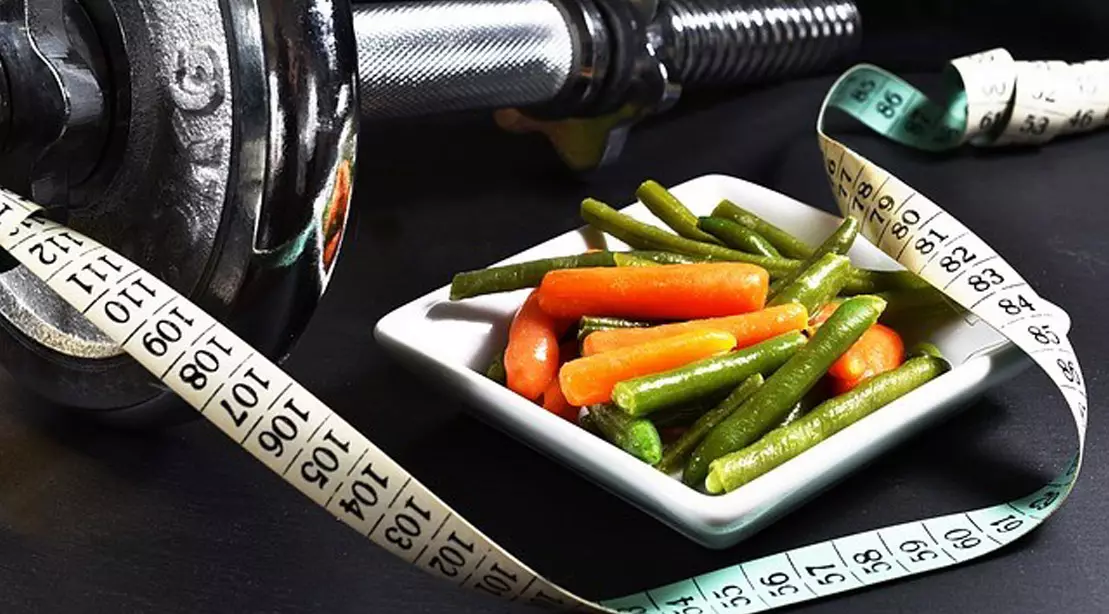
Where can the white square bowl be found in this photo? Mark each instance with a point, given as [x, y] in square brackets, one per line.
[452, 342]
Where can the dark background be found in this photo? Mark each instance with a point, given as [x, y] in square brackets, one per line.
[98, 520]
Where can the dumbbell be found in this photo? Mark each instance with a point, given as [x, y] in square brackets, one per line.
[213, 142]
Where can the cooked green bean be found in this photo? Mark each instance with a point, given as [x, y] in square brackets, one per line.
[672, 212]
[864, 281]
[602, 323]
[624, 259]
[653, 243]
[521, 275]
[665, 257]
[592, 324]
[789, 245]
[645, 236]
[917, 300]
[818, 284]
[766, 408]
[795, 412]
[731, 471]
[642, 396]
[839, 242]
[738, 236]
[495, 371]
[636, 436]
[675, 454]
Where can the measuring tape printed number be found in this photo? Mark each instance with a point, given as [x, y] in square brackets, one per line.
[315, 450]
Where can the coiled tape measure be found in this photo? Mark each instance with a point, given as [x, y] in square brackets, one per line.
[296, 435]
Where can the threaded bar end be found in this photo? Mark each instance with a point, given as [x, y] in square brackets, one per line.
[732, 42]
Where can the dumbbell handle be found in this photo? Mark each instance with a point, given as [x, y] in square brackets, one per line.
[423, 57]
[420, 58]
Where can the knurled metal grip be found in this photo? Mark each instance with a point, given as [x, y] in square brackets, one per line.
[422, 57]
[418, 58]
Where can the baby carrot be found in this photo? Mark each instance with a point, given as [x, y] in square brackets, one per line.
[531, 357]
[823, 314]
[748, 329]
[553, 400]
[673, 291]
[880, 349]
[589, 380]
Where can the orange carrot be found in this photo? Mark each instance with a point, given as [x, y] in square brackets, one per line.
[878, 350]
[553, 399]
[669, 291]
[822, 316]
[589, 380]
[531, 357]
[555, 402]
[748, 329]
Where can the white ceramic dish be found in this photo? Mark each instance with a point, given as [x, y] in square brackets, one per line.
[453, 342]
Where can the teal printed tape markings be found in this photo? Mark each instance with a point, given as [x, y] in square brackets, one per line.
[286, 428]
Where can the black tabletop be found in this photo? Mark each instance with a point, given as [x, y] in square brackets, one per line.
[94, 519]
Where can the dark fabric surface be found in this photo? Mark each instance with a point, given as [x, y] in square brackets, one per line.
[97, 520]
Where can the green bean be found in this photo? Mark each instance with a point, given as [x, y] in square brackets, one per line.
[672, 212]
[864, 281]
[674, 455]
[642, 396]
[731, 471]
[585, 421]
[914, 301]
[653, 243]
[766, 408]
[817, 285]
[521, 275]
[789, 245]
[636, 436]
[592, 324]
[795, 412]
[665, 257]
[839, 242]
[623, 259]
[645, 236]
[738, 236]
[603, 323]
[495, 371]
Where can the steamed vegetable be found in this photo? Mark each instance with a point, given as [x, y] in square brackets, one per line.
[531, 358]
[644, 236]
[522, 275]
[738, 236]
[839, 242]
[738, 468]
[789, 245]
[770, 404]
[673, 291]
[589, 380]
[695, 381]
[748, 329]
[636, 436]
[816, 285]
[672, 212]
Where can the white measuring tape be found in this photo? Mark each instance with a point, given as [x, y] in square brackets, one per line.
[296, 435]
